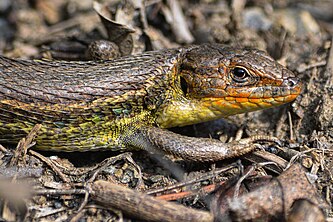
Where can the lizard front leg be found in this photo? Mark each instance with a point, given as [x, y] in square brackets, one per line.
[157, 140]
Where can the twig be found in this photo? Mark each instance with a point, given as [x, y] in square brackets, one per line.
[263, 156]
[247, 174]
[204, 190]
[3, 149]
[290, 127]
[178, 22]
[329, 67]
[85, 201]
[143, 206]
[50, 163]
[280, 123]
[195, 180]
[310, 66]
[24, 145]
[59, 192]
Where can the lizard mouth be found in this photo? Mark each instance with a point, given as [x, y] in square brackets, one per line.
[240, 100]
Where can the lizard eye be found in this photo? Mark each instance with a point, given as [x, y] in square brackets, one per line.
[183, 85]
[239, 74]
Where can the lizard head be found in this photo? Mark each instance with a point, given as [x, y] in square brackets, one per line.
[215, 81]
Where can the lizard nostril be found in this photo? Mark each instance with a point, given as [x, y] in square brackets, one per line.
[291, 82]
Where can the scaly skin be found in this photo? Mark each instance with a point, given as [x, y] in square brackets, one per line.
[124, 103]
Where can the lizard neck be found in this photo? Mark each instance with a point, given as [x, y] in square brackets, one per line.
[181, 113]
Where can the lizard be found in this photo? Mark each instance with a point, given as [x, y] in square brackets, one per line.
[129, 103]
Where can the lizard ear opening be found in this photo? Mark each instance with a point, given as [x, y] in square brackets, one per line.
[183, 85]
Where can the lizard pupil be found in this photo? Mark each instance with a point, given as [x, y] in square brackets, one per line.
[183, 85]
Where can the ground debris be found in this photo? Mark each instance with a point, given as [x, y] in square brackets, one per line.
[63, 187]
[275, 199]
